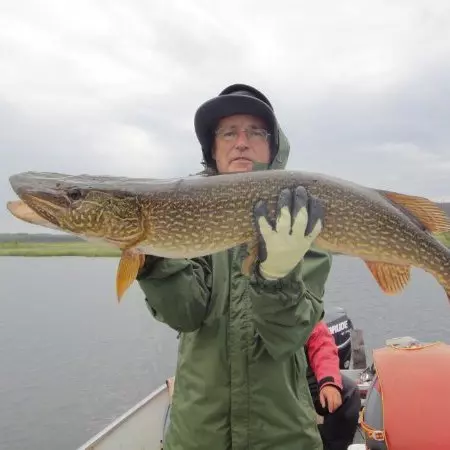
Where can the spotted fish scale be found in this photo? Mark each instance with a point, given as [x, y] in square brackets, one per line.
[195, 216]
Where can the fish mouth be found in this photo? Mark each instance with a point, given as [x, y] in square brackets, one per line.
[46, 208]
[22, 211]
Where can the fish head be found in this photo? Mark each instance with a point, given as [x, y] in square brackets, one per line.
[81, 206]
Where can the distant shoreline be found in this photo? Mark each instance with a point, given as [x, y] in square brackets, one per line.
[74, 248]
[445, 238]
[82, 248]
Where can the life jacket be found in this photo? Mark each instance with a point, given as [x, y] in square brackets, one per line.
[408, 403]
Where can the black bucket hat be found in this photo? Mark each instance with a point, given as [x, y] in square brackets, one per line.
[235, 99]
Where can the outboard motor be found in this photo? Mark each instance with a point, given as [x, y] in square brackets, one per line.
[340, 327]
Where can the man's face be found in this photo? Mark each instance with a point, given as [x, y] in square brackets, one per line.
[240, 141]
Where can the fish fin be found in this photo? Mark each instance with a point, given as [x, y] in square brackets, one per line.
[130, 263]
[250, 259]
[427, 212]
[391, 278]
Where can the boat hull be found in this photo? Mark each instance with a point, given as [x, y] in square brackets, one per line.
[142, 426]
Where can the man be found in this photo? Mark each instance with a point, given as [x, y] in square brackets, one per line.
[241, 372]
[335, 397]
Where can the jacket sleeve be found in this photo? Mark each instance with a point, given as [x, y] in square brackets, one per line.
[323, 356]
[177, 291]
[285, 311]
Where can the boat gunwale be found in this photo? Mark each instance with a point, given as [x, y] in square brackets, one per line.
[120, 420]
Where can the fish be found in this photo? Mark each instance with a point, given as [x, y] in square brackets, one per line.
[199, 215]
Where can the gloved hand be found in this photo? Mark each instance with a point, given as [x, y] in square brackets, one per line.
[283, 244]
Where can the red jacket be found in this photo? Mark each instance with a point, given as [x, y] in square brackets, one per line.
[323, 356]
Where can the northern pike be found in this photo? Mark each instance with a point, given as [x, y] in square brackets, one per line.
[200, 215]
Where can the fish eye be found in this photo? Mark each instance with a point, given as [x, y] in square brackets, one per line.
[74, 194]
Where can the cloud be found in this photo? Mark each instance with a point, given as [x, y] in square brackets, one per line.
[360, 88]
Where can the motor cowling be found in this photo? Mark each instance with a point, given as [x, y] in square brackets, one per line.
[340, 327]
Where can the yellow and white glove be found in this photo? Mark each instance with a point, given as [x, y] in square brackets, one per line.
[283, 244]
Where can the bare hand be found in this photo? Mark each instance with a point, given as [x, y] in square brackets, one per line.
[330, 395]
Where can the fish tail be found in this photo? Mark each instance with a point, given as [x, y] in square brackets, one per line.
[444, 281]
[441, 270]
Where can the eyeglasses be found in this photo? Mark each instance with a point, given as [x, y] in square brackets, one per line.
[253, 134]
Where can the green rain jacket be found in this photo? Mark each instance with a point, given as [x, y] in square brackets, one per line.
[240, 381]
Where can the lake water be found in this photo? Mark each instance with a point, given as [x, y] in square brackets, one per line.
[72, 359]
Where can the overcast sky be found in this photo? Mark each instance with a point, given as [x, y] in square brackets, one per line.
[361, 88]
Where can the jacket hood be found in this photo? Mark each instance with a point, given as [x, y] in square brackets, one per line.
[282, 151]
